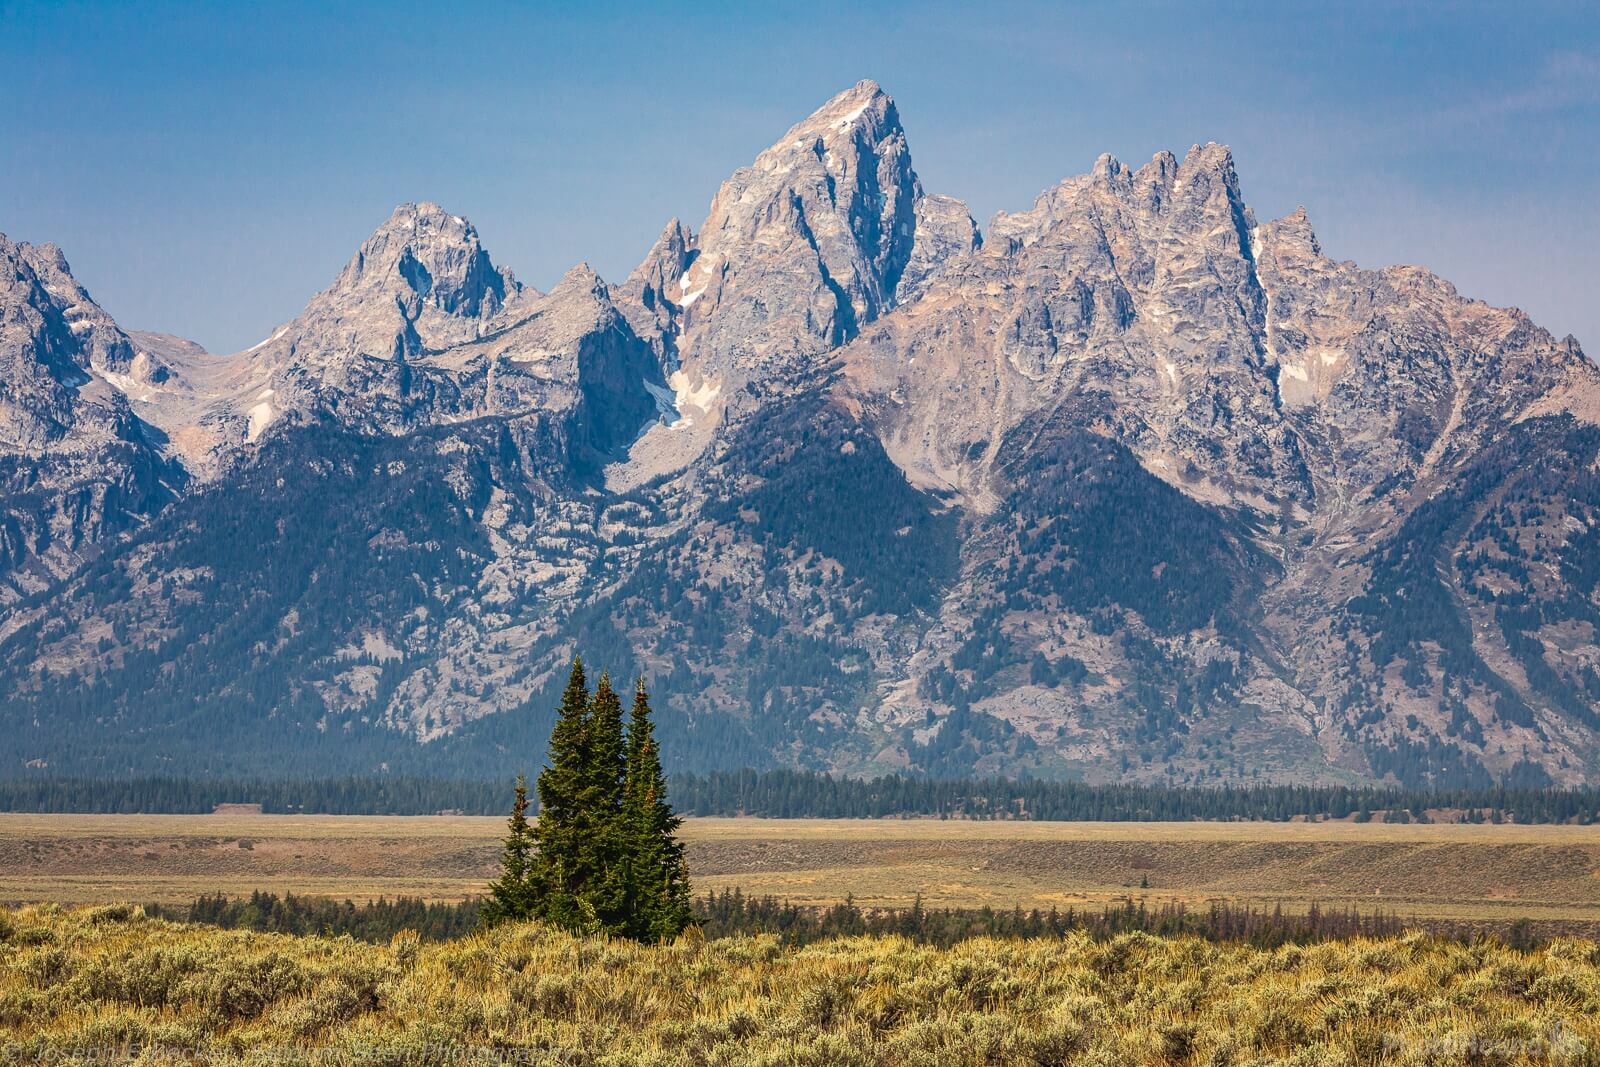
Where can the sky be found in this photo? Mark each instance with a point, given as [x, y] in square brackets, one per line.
[208, 167]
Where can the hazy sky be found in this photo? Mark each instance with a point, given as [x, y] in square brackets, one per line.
[207, 168]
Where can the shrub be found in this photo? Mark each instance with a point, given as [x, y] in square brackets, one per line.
[236, 989]
[115, 913]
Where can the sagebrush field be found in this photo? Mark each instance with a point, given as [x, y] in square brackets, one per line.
[107, 983]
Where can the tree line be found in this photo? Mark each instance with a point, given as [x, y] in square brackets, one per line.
[374, 920]
[802, 794]
[733, 913]
[807, 794]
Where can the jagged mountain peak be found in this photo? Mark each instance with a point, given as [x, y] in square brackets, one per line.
[799, 248]
[423, 228]
[76, 464]
[1154, 180]
[422, 280]
[863, 110]
[582, 278]
[1294, 232]
[1163, 201]
[420, 216]
[43, 354]
[1207, 173]
[1213, 155]
[421, 283]
[447, 245]
[647, 297]
[1162, 162]
[48, 254]
[417, 213]
[433, 261]
[69, 331]
[663, 265]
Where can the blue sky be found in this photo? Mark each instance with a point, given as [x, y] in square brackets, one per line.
[207, 168]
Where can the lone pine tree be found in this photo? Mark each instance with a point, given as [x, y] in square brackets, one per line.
[603, 856]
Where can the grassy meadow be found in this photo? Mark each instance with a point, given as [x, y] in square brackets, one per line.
[1453, 873]
[108, 984]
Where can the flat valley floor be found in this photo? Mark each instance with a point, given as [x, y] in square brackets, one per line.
[1443, 873]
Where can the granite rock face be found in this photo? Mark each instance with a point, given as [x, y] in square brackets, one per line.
[77, 466]
[1130, 485]
[804, 246]
[421, 281]
[1319, 408]
[420, 329]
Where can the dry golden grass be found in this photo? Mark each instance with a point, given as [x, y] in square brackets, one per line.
[1444, 872]
[100, 983]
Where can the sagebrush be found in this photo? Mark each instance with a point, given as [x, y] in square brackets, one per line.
[92, 982]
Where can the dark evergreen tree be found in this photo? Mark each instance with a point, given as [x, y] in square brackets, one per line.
[559, 832]
[600, 862]
[514, 895]
[658, 906]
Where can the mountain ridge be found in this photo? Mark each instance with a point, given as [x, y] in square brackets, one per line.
[1125, 485]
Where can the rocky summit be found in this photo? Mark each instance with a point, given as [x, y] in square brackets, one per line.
[1132, 485]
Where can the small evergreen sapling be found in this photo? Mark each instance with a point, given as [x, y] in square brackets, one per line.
[512, 896]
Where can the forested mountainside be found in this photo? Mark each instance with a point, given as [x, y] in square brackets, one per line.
[1130, 486]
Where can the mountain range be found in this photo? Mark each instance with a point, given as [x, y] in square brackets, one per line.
[1128, 486]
